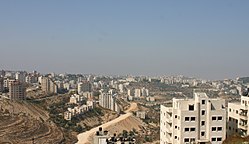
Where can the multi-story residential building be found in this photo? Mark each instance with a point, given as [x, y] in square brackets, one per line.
[199, 120]
[137, 93]
[238, 116]
[109, 101]
[2, 73]
[6, 82]
[17, 90]
[20, 76]
[31, 79]
[1, 84]
[145, 92]
[79, 109]
[84, 87]
[48, 85]
[130, 92]
[140, 114]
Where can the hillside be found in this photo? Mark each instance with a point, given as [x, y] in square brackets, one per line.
[22, 122]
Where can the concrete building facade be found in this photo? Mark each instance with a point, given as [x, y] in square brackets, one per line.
[1, 84]
[109, 101]
[17, 90]
[237, 120]
[48, 85]
[199, 120]
[84, 87]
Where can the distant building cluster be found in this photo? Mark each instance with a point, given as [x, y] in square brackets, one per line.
[13, 84]
[79, 108]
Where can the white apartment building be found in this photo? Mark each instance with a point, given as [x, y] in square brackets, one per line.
[1, 84]
[84, 87]
[144, 92]
[137, 93]
[20, 76]
[109, 101]
[48, 85]
[238, 117]
[200, 120]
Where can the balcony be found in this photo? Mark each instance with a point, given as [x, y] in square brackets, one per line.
[169, 110]
[244, 107]
[243, 115]
[169, 129]
[169, 139]
[169, 120]
[243, 126]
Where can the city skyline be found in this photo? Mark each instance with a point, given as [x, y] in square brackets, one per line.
[201, 39]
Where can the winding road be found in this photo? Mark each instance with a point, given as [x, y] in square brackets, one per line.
[84, 138]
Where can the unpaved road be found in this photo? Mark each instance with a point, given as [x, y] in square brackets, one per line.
[84, 138]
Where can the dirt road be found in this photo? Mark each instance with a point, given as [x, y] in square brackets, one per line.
[84, 138]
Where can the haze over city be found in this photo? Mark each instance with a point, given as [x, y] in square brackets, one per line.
[206, 39]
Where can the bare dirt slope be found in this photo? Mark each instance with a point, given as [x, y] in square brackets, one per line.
[25, 123]
[123, 122]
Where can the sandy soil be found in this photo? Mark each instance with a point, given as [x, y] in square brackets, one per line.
[85, 138]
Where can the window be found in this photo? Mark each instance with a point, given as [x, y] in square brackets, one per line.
[203, 102]
[202, 123]
[219, 139]
[213, 128]
[186, 129]
[203, 112]
[192, 139]
[191, 108]
[175, 116]
[202, 133]
[186, 118]
[175, 127]
[192, 118]
[230, 119]
[229, 128]
[236, 121]
[213, 118]
[175, 137]
[186, 140]
[219, 129]
[213, 139]
[237, 112]
[220, 118]
[192, 129]
[230, 110]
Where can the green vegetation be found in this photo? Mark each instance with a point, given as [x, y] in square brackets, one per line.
[73, 125]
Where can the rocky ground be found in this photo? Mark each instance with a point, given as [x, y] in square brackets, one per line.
[24, 123]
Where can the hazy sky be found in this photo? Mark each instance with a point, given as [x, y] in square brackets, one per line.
[206, 39]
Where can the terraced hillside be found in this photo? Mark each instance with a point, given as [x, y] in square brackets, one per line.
[25, 123]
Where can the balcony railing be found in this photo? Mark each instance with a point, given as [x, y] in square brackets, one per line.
[243, 115]
[243, 125]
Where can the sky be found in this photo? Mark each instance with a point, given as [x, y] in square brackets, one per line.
[204, 39]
